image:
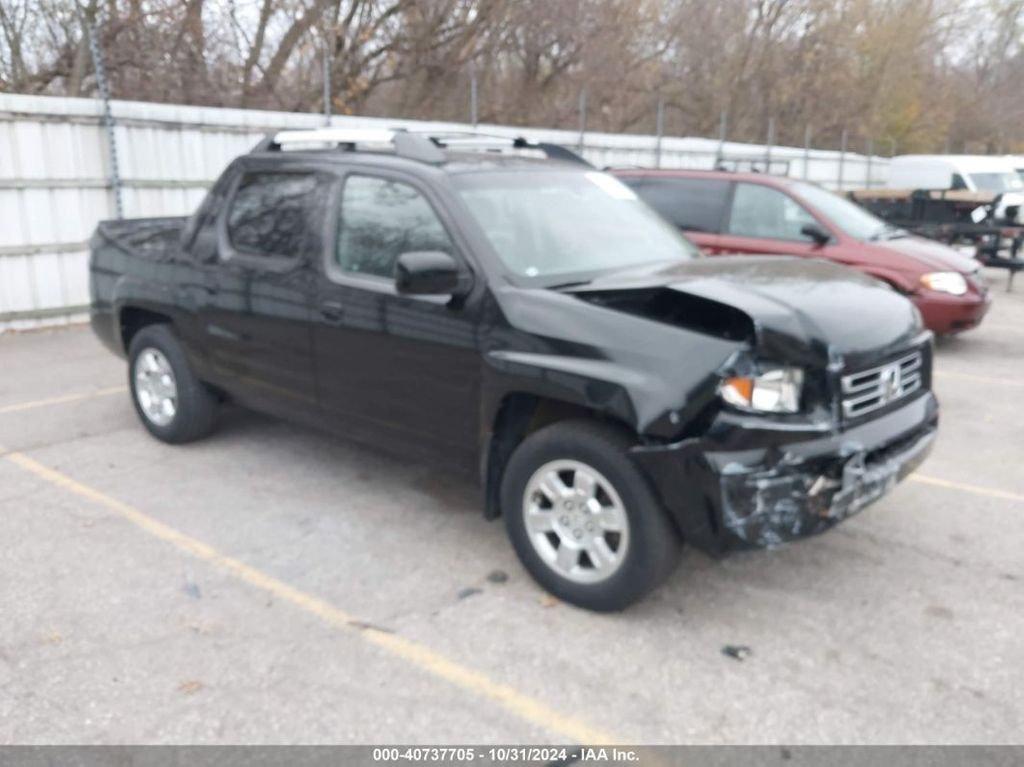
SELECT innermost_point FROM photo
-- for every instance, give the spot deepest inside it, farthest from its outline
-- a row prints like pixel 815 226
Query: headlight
pixel 945 282
pixel 776 391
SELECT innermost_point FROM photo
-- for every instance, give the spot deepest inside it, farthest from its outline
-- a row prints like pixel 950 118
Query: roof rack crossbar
pixel 334 136
pixel 405 144
pixel 416 147
pixel 475 138
pixel 423 146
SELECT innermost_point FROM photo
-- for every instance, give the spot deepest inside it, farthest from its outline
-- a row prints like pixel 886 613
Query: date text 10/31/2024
pixel 501 754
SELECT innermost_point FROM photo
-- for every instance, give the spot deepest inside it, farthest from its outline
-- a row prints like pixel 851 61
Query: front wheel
pixel 583 519
pixel 172 403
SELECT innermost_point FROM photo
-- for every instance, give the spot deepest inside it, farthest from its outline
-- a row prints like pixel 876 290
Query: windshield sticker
pixel 611 186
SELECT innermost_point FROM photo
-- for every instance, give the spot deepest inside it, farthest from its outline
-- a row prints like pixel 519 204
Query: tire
pixel 643 551
pixel 158 370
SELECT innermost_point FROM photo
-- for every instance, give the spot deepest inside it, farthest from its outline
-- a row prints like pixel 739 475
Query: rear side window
pixel 695 204
pixel 761 211
pixel 380 220
pixel 272 214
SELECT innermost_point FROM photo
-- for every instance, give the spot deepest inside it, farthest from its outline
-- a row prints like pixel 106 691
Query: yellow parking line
pixel 979 379
pixel 430 661
pixel 976 489
pixel 19 407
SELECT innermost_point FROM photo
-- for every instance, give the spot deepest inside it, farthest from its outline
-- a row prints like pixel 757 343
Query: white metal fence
pixel 56 184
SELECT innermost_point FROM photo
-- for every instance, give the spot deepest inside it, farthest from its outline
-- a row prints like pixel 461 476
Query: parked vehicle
pixel 757 214
pixel 1017 161
pixel 955 217
pixel 532 322
pixel 974 173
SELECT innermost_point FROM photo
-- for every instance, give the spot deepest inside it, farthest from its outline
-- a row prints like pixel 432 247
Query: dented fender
pixel 652 376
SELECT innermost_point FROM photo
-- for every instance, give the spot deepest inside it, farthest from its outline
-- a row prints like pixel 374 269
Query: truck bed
pixel 154 238
pixel 130 257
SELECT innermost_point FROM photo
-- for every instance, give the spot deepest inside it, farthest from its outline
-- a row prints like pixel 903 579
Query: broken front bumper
pixel 751 483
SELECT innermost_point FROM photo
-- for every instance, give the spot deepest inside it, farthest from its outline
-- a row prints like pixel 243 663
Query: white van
pixel 1017 160
pixel 977 173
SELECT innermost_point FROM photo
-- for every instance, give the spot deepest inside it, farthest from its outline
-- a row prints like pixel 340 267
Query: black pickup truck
pixel 498 308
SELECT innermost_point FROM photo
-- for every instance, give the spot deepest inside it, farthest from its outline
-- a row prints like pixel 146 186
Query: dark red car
pixel 752 213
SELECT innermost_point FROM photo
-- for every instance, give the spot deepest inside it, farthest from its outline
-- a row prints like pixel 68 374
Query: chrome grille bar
pixel 867 390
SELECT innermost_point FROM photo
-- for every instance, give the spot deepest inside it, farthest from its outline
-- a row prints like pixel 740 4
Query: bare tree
pixel 918 73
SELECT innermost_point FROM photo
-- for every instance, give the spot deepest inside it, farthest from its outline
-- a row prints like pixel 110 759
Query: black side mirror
pixel 430 272
pixel 816 233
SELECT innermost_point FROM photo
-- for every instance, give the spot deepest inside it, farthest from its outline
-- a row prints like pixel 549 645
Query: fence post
pixel 867 173
pixel 583 116
pixel 769 140
pixel 892 147
pixel 473 104
pixel 108 118
pixel 660 129
pixel 723 119
pixel 327 82
pixel 807 150
pixel 842 160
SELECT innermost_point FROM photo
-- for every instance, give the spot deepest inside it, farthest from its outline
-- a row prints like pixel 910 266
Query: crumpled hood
pixel 799 308
pixel 917 256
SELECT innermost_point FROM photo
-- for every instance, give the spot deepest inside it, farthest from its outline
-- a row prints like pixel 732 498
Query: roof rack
pixel 404 143
pixel 423 146
pixel 489 141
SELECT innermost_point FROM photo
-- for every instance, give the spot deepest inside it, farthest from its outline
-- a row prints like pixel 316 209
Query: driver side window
pixel 380 220
pixel 761 211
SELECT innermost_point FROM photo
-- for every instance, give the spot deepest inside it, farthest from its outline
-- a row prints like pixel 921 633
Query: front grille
pixel 868 390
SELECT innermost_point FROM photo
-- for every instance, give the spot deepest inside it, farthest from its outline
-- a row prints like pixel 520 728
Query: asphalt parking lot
pixel 273 585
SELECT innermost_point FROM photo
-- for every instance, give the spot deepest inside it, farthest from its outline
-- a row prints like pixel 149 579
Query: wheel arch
pixel 131 318
pixel 517 415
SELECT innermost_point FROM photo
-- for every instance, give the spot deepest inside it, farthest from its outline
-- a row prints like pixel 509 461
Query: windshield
pixel 848 216
pixel 998 182
pixel 553 224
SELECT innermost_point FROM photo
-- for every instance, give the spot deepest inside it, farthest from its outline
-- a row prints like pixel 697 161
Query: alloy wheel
pixel 576 521
pixel 156 389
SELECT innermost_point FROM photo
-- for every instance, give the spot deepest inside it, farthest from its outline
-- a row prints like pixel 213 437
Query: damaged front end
pixel 756 482
pixel 764 506
pixel 822 405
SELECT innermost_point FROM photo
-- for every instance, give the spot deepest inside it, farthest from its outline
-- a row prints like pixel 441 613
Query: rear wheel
pixel 583 519
pixel 171 402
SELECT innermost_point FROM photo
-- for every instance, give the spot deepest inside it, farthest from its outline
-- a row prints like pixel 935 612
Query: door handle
pixel 332 311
